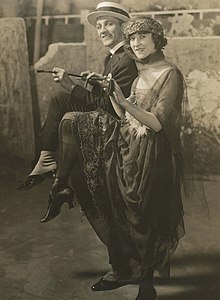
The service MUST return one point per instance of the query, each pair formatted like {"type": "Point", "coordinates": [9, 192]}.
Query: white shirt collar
{"type": "Point", "coordinates": [114, 49]}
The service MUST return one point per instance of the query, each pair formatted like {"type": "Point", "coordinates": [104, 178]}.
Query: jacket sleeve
{"type": "Point", "coordinates": [124, 73]}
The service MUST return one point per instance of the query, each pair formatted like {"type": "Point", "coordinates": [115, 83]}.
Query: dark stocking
{"type": "Point", "coordinates": [67, 151]}
{"type": "Point", "coordinates": [146, 288]}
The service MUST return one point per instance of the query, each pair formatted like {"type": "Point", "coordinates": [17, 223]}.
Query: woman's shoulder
{"type": "Point", "coordinates": [173, 67]}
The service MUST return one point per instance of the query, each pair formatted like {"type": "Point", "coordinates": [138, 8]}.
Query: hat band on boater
{"type": "Point", "coordinates": [113, 9]}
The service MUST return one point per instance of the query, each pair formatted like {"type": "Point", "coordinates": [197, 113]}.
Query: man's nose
{"type": "Point", "coordinates": [102, 29]}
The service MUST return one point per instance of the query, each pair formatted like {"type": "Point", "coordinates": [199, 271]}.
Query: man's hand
{"type": "Point", "coordinates": [60, 76]}
{"type": "Point", "coordinates": [88, 74]}
{"type": "Point", "coordinates": [90, 77]}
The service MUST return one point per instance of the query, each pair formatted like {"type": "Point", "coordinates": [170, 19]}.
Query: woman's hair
{"type": "Point", "coordinates": [145, 25]}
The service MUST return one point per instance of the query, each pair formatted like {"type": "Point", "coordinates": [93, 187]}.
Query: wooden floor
{"type": "Point", "coordinates": [60, 260]}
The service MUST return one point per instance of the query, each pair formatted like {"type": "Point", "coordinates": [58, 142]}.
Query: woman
{"type": "Point", "coordinates": [130, 169]}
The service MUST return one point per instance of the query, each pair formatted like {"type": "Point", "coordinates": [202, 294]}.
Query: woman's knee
{"type": "Point", "coordinates": [65, 130]}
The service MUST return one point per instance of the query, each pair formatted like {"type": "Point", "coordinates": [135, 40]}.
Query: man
{"type": "Point", "coordinates": [107, 19]}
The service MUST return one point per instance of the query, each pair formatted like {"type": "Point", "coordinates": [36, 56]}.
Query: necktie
{"type": "Point", "coordinates": [107, 58]}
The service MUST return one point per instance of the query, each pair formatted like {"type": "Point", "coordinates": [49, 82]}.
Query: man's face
{"type": "Point", "coordinates": [109, 31]}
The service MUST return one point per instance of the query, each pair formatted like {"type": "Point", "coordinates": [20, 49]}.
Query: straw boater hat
{"type": "Point", "coordinates": [108, 9]}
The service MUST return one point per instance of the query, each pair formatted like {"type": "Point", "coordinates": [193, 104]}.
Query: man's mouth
{"type": "Point", "coordinates": [105, 36]}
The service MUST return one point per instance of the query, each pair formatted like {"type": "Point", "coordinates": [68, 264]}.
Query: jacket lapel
{"type": "Point", "coordinates": [113, 61]}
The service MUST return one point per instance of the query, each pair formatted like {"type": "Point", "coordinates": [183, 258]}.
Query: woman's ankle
{"type": "Point", "coordinates": [146, 291]}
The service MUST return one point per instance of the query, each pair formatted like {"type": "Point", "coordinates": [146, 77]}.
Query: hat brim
{"type": "Point", "coordinates": [93, 16]}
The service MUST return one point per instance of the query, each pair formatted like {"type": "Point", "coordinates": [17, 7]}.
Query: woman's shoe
{"type": "Point", "coordinates": [146, 292]}
{"type": "Point", "coordinates": [33, 180]}
{"type": "Point", "coordinates": [59, 194]}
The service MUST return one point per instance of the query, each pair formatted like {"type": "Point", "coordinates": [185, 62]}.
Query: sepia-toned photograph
{"type": "Point", "coordinates": [109, 150]}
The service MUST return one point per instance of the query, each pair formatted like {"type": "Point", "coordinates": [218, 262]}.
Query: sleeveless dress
{"type": "Point", "coordinates": [128, 180]}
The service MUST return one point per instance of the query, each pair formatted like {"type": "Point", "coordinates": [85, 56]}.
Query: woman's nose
{"type": "Point", "coordinates": [136, 42]}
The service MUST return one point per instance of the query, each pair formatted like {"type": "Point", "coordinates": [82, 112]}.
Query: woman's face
{"type": "Point", "coordinates": [142, 44]}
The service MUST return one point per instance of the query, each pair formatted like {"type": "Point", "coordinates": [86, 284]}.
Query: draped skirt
{"type": "Point", "coordinates": [128, 186]}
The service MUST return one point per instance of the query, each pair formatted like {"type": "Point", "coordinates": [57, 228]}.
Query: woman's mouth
{"type": "Point", "coordinates": [139, 49]}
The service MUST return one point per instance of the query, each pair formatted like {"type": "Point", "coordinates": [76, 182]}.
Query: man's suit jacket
{"type": "Point", "coordinates": [123, 70]}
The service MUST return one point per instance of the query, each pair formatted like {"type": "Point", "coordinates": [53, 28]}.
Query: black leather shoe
{"type": "Point", "coordinates": [60, 193]}
{"type": "Point", "coordinates": [105, 285]}
{"type": "Point", "coordinates": [147, 292]}
{"type": "Point", "coordinates": [33, 180]}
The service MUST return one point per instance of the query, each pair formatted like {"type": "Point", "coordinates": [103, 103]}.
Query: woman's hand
{"type": "Point", "coordinates": [117, 95]}
{"type": "Point", "coordinates": [60, 76]}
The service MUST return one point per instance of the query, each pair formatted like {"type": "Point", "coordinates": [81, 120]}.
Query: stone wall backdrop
{"type": "Point", "coordinates": [68, 56]}
{"type": "Point", "coordinates": [16, 130]}
{"type": "Point", "coordinates": [204, 96]}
